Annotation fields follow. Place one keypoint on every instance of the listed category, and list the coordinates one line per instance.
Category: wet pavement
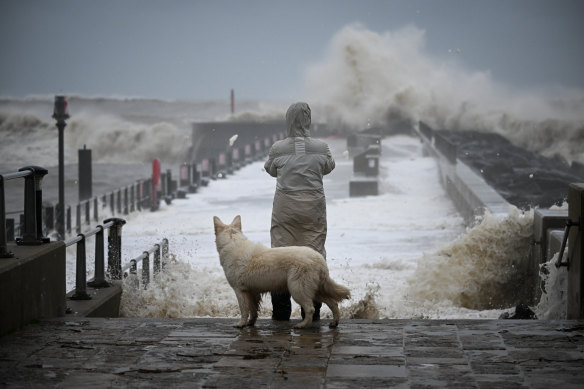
(209, 353)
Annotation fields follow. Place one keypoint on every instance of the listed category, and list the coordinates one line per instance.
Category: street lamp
(60, 114)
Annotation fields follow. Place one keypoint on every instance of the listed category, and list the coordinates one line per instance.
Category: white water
(387, 249)
(366, 78)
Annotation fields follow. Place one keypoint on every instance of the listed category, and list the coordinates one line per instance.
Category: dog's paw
(240, 324)
(333, 324)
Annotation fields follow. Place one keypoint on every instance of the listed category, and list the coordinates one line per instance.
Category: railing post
(126, 207)
(164, 252)
(95, 208)
(134, 282)
(119, 202)
(146, 269)
(156, 264)
(87, 213)
(78, 218)
(132, 198)
(81, 272)
(139, 190)
(99, 279)
(4, 253)
(112, 208)
(33, 203)
(68, 218)
(10, 230)
(114, 247)
(49, 217)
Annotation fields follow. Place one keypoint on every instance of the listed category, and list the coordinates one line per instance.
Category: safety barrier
(160, 252)
(121, 201)
(115, 271)
(31, 230)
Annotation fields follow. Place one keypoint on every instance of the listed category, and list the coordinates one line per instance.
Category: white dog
(252, 269)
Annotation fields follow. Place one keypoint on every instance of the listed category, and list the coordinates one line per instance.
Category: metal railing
(115, 271)
(113, 259)
(160, 252)
(121, 201)
(31, 231)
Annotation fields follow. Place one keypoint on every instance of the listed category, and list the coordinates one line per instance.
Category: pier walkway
(208, 353)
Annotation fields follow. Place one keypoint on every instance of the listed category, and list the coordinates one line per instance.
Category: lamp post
(60, 114)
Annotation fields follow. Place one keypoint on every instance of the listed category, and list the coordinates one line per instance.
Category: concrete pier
(210, 353)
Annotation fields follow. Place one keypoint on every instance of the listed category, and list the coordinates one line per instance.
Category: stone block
(32, 285)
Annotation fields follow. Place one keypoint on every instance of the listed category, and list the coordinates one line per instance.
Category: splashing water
(553, 303)
(369, 79)
(485, 268)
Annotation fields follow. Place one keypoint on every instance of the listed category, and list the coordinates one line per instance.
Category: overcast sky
(201, 49)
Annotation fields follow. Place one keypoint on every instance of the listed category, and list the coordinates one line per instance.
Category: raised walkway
(209, 353)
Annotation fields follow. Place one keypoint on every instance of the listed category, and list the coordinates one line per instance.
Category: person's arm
(270, 166)
(329, 164)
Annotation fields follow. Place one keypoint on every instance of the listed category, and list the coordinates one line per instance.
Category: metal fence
(115, 270)
(31, 228)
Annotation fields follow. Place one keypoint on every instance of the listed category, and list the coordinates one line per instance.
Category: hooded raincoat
(299, 162)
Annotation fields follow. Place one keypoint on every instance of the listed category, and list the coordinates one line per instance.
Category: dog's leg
(243, 308)
(299, 295)
(255, 299)
(332, 304)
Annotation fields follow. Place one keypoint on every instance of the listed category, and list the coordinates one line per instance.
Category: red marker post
(156, 184)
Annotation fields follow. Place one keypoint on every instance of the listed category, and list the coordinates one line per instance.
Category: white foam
(388, 249)
(367, 78)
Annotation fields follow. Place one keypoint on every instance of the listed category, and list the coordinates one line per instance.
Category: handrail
(33, 199)
(114, 226)
(160, 251)
(115, 269)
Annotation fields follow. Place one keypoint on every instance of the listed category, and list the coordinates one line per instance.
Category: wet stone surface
(210, 353)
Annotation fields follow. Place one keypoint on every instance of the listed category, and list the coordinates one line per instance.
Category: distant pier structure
(209, 139)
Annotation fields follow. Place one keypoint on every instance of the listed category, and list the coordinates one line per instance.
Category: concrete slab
(121, 352)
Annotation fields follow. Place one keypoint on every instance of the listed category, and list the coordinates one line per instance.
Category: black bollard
(85, 174)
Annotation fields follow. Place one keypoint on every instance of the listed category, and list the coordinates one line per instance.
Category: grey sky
(202, 49)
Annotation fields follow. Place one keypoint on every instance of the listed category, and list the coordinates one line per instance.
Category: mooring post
(85, 174)
(576, 252)
(32, 233)
(114, 246)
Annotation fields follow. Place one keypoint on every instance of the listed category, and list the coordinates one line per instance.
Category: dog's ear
(219, 226)
(236, 222)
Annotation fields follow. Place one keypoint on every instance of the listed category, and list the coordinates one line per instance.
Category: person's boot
(281, 306)
(316, 314)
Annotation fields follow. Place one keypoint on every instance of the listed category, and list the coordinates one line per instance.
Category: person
(299, 163)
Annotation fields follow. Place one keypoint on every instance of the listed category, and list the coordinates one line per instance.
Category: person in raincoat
(299, 212)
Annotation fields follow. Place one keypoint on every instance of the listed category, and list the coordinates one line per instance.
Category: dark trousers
(282, 307)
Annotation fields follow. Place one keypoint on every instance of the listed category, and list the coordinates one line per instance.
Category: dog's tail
(333, 290)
